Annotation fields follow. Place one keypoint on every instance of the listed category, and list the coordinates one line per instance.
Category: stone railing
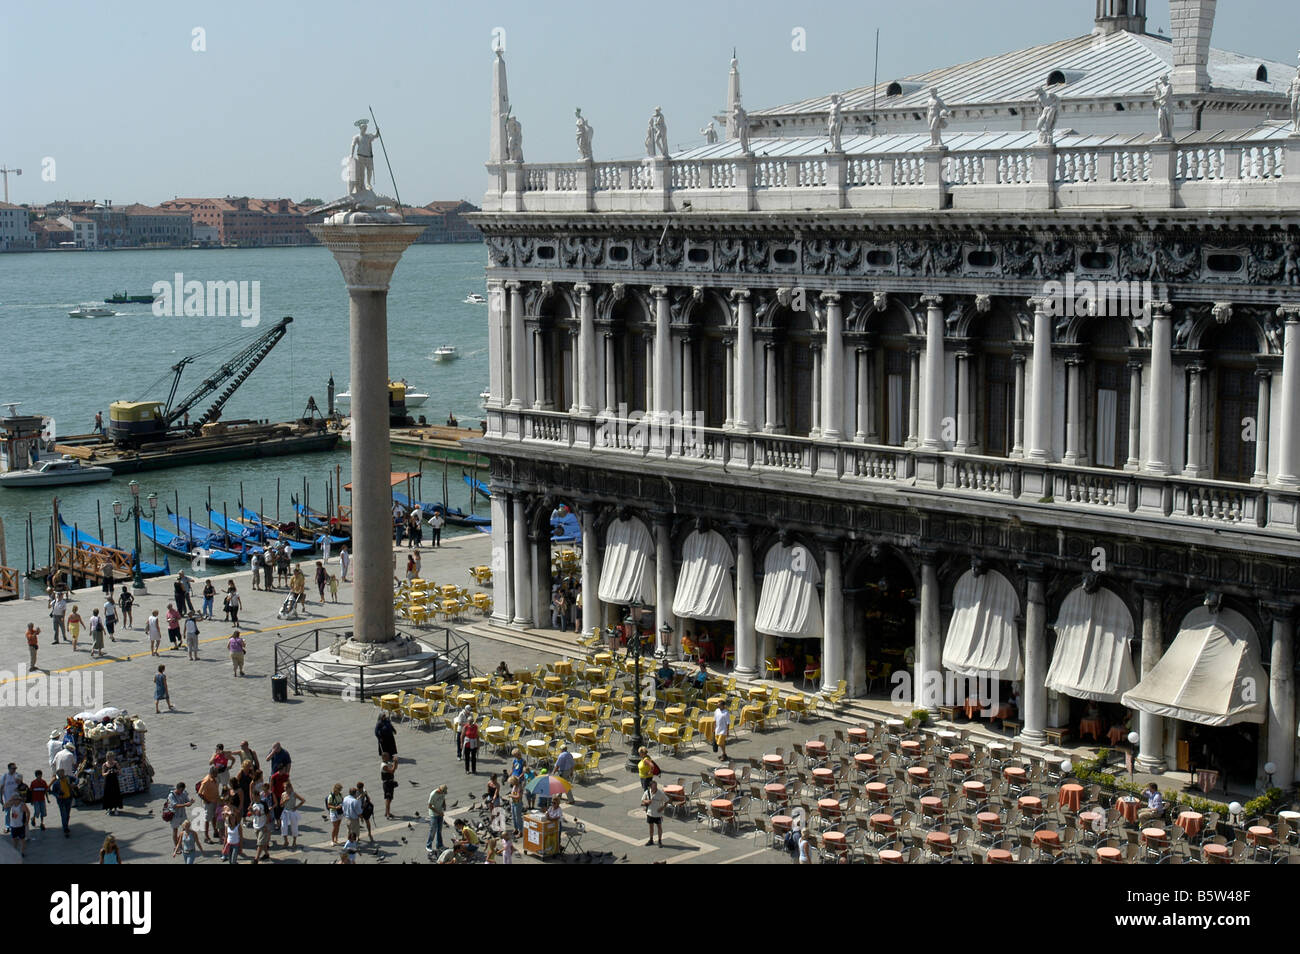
(1242, 174)
(1101, 491)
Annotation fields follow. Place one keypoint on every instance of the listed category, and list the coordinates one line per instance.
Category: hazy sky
(116, 95)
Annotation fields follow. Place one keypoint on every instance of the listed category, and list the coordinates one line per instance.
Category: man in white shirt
(564, 767)
(655, 801)
(721, 726)
(435, 528)
(58, 611)
(66, 760)
(54, 747)
(1155, 804)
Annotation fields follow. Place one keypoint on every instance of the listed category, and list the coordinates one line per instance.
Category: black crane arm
(239, 368)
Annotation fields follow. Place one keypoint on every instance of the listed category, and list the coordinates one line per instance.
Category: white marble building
(1025, 401)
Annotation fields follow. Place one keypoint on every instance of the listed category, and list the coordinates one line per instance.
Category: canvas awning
(789, 605)
(1092, 658)
(627, 572)
(1210, 674)
(982, 637)
(705, 589)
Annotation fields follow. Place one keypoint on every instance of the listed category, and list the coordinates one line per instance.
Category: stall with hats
(93, 735)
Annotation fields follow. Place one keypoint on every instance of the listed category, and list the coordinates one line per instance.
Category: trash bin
(279, 688)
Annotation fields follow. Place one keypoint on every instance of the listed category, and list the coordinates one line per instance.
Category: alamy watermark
(32, 689)
(947, 688)
(626, 428)
(1096, 299)
(212, 299)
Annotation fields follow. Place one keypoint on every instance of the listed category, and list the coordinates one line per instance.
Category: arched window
(711, 370)
(994, 426)
(1055, 78)
(631, 366)
(557, 356)
(891, 367)
(1107, 412)
(1232, 399)
(797, 366)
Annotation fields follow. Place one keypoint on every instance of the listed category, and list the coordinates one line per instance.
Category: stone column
(1262, 415)
(1160, 400)
(729, 361)
(665, 588)
(832, 620)
(863, 424)
(933, 412)
(769, 388)
(1195, 421)
(1074, 410)
(1035, 694)
(833, 379)
(611, 376)
(522, 569)
(539, 551)
(1151, 727)
(518, 348)
(1040, 418)
(648, 398)
(1288, 463)
(1018, 406)
(498, 381)
(746, 607)
(817, 378)
(575, 369)
(963, 402)
(929, 649)
(367, 252)
(540, 398)
(744, 389)
(688, 381)
(1134, 416)
(585, 357)
(663, 366)
(914, 398)
(593, 613)
(502, 578)
(1281, 695)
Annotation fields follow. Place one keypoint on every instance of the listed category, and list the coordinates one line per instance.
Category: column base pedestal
(1150, 765)
(1033, 736)
(349, 668)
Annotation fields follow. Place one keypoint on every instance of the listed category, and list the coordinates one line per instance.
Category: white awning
(1211, 674)
(627, 572)
(1092, 658)
(705, 589)
(789, 605)
(982, 637)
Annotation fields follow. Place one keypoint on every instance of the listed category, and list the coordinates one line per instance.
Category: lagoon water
(69, 368)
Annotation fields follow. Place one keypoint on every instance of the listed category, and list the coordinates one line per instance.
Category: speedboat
(414, 398)
(91, 311)
(474, 298)
(445, 353)
(64, 470)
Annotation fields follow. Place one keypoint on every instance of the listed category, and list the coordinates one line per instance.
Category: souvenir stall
(93, 736)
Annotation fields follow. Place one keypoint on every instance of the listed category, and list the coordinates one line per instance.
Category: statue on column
(362, 156)
(1164, 100)
(656, 137)
(584, 133)
(1294, 91)
(514, 138)
(835, 124)
(1050, 105)
(936, 112)
(741, 120)
(710, 133)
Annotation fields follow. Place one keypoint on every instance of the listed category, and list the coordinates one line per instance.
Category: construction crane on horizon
(5, 172)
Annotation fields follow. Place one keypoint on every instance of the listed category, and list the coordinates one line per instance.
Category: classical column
(744, 382)
(929, 646)
(1134, 416)
(575, 369)
(746, 607)
(1035, 694)
(963, 402)
(663, 366)
(688, 381)
(1288, 457)
(585, 357)
(539, 551)
(933, 413)
(913, 398)
(815, 429)
(611, 376)
(833, 379)
(1073, 410)
(540, 397)
(1261, 425)
(832, 620)
(1195, 421)
(648, 398)
(502, 577)
(1018, 406)
(498, 381)
(523, 574)
(1160, 400)
(518, 346)
(863, 422)
(367, 247)
(1040, 418)
(1151, 727)
(729, 390)
(592, 611)
(665, 586)
(769, 388)
(1281, 695)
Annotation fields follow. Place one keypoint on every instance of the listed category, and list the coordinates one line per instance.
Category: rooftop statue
(935, 114)
(1164, 100)
(656, 134)
(584, 133)
(741, 119)
(710, 133)
(1050, 104)
(1294, 90)
(835, 125)
(514, 138)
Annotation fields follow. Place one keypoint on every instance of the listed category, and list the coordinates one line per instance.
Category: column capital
(927, 557)
(659, 291)
(1264, 374)
(513, 284)
(1195, 367)
(1150, 589)
(739, 294)
(1039, 303)
(1019, 357)
(1276, 610)
(932, 301)
(1289, 313)
(582, 288)
(1133, 364)
(1158, 309)
(831, 297)
(496, 282)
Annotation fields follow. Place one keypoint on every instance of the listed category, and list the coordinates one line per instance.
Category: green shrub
(920, 716)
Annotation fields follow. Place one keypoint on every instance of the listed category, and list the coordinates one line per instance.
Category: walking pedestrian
(187, 843)
(192, 636)
(298, 587)
(321, 578)
(232, 598)
(112, 800)
(174, 809)
(386, 735)
(110, 618)
(173, 629)
(96, 634)
(290, 815)
(345, 562)
(469, 745)
(255, 564)
(74, 627)
(36, 793)
(437, 808)
(387, 779)
(646, 769)
(33, 643)
(209, 594)
(236, 647)
(721, 726)
(209, 790)
(58, 611)
(124, 602)
(416, 530)
(64, 791)
(17, 816)
(654, 802)
(367, 809)
(153, 630)
(463, 718)
(435, 528)
(334, 588)
(160, 690)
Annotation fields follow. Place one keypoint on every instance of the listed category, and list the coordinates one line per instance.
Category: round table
(859, 735)
(1191, 823)
(714, 701)
(722, 804)
(725, 776)
(510, 690)
(1013, 773)
(773, 763)
(815, 749)
(1289, 817)
(919, 773)
(585, 736)
(972, 788)
(600, 695)
(877, 791)
(835, 841)
(667, 735)
(419, 708)
(603, 659)
(946, 734)
(749, 714)
(781, 824)
(594, 674)
(1047, 839)
(891, 857)
(1128, 808)
(495, 733)
(676, 794)
(1072, 796)
(959, 760)
(481, 683)
(828, 804)
(989, 821)
(510, 713)
(1154, 836)
(932, 805)
(466, 698)
(564, 667)
(553, 682)
(757, 692)
(535, 747)
(775, 791)
(1031, 804)
(895, 723)
(910, 747)
(586, 713)
(999, 856)
(1091, 819)
(557, 703)
(1110, 856)
(824, 776)
(704, 726)
(865, 760)
(1216, 853)
(881, 822)
(1257, 834)
(435, 692)
(675, 713)
(940, 839)
(544, 721)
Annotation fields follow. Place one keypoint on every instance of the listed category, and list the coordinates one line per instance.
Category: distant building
(15, 236)
(150, 226)
(447, 222)
(205, 234)
(85, 231)
(51, 233)
(248, 222)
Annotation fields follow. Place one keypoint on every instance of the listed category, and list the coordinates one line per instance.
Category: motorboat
(414, 398)
(122, 298)
(91, 311)
(64, 470)
(474, 298)
(444, 353)
(483, 397)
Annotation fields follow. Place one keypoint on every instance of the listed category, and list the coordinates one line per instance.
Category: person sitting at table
(1092, 712)
(1155, 804)
(503, 670)
(701, 676)
(664, 675)
(688, 645)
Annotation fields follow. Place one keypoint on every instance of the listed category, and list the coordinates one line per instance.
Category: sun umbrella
(549, 785)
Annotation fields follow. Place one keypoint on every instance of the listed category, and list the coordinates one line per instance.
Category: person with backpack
(64, 791)
(469, 746)
(646, 769)
(367, 809)
(96, 634)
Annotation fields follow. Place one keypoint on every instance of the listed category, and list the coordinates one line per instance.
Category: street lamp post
(634, 652)
(134, 513)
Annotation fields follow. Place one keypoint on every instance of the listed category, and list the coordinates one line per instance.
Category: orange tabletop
(1109, 855)
(599, 695)
(824, 775)
(1157, 835)
(865, 760)
(674, 792)
(724, 774)
(557, 703)
(1259, 834)
(910, 746)
(1030, 803)
(1215, 852)
(1191, 823)
(919, 772)
(781, 822)
(881, 822)
(959, 760)
(1013, 773)
(828, 803)
(510, 690)
(1090, 727)
(859, 734)
(998, 856)
(815, 748)
(1128, 808)
(990, 820)
(1092, 819)
(891, 857)
(940, 838)
(774, 789)
(1046, 837)
(1116, 735)
(932, 805)
(774, 761)
(1072, 796)
(723, 804)
(564, 667)
(973, 787)
(877, 790)
(834, 840)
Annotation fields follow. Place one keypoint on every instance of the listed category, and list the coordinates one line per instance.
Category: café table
(544, 721)
(553, 682)
(725, 777)
(999, 856)
(940, 839)
(510, 713)
(510, 690)
(865, 761)
(585, 736)
(1072, 796)
(603, 659)
(1128, 808)
(815, 749)
(563, 667)
(895, 724)
(1110, 856)
(585, 713)
(1030, 804)
(600, 695)
(751, 715)
(781, 824)
(1260, 835)
(496, 734)
(835, 841)
(1191, 823)
(918, 774)
(536, 748)
(481, 683)
(910, 747)
(824, 777)
(1091, 728)
(557, 703)
(959, 760)
(877, 791)
(466, 698)
(594, 674)
(1094, 822)
(931, 805)
(1216, 854)
(438, 691)
(675, 714)
(775, 792)
(880, 822)
(891, 857)
(1155, 837)
(704, 726)
(859, 736)
(667, 735)
(1047, 839)
(988, 821)
(715, 701)
(757, 692)
(774, 764)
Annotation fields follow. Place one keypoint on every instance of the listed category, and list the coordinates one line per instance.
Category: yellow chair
(771, 668)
